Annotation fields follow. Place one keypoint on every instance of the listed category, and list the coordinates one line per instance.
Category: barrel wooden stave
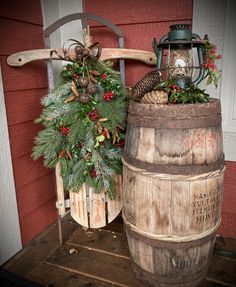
(170, 205)
(173, 183)
(170, 264)
(161, 143)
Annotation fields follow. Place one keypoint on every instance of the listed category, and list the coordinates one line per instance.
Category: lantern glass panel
(180, 62)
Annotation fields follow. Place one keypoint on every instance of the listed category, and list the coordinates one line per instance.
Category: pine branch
(48, 144)
(56, 95)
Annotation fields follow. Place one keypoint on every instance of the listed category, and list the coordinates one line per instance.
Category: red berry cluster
(93, 115)
(104, 76)
(93, 172)
(64, 130)
(108, 95)
(209, 65)
(75, 76)
(175, 88)
(210, 57)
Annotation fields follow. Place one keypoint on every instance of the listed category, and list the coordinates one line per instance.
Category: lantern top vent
(180, 27)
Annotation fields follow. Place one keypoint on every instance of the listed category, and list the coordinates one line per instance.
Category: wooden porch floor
(100, 258)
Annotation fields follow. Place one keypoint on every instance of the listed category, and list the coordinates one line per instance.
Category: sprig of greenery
(210, 56)
(176, 95)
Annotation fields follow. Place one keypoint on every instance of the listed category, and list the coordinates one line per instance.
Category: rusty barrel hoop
(172, 183)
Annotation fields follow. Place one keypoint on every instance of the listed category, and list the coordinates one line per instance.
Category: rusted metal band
(176, 111)
(175, 169)
(174, 123)
(170, 244)
(188, 280)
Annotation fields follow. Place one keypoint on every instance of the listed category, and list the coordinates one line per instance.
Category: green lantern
(183, 49)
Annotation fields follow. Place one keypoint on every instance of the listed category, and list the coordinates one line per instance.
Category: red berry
(104, 76)
(93, 115)
(64, 130)
(93, 172)
(108, 95)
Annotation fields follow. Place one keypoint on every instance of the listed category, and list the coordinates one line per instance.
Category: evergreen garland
(84, 126)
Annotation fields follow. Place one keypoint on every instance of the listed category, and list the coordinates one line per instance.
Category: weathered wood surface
(95, 210)
(37, 251)
(48, 275)
(167, 264)
(60, 190)
(32, 263)
(78, 206)
(172, 207)
(105, 241)
(109, 268)
(24, 57)
(170, 135)
(114, 206)
(173, 180)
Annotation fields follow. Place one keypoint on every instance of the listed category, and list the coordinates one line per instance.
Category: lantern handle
(159, 50)
(200, 59)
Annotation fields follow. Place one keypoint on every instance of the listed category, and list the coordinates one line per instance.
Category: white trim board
(52, 11)
(217, 19)
(10, 238)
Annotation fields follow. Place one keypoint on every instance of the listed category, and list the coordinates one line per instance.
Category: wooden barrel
(172, 185)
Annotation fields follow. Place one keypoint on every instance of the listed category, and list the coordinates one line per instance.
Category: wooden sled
(88, 208)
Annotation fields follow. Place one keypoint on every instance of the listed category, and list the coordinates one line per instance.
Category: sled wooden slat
(97, 209)
(114, 206)
(60, 190)
(79, 210)
(24, 57)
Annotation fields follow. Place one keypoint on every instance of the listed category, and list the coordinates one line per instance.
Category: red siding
(228, 225)
(21, 29)
(141, 21)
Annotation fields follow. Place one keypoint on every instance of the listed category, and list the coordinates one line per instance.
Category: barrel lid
(176, 111)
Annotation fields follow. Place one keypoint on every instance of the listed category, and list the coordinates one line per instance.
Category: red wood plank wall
(141, 21)
(21, 29)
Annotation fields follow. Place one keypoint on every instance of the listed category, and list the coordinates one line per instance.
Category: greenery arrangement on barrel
(84, 123)
(178, 86)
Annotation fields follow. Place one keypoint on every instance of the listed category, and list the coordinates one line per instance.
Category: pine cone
(155, 97)
(145, 85)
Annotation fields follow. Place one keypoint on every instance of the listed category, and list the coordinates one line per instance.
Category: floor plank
(101, 240)
(39, 248)
(100, 258)
(222, 269)
(49, 275)
(110, 269)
